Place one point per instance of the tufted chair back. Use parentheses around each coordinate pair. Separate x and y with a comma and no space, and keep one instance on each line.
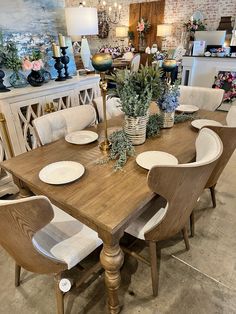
(56,125)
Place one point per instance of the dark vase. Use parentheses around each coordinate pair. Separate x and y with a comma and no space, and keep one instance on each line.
(36,78)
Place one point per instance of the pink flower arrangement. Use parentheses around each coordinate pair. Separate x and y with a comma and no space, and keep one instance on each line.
(35,65)
(143,27)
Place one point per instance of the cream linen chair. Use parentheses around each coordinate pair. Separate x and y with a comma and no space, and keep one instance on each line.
(7,185)
(128,56)
(227,135)
(43,239)
(112,108)
(180,186)
(202,97)
(135,62)
(56,125)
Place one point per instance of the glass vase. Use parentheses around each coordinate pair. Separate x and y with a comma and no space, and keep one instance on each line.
(17,80)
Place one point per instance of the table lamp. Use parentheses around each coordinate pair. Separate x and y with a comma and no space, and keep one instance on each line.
(164,30)
(82,21)
(101,63)
(122,33)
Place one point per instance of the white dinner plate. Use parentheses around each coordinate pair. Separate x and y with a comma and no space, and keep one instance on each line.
(61,172)
(200,123)
(187,108)
(81,137)
(149,159)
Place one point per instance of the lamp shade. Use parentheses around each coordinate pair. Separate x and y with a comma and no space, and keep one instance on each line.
(81,21)
(164,30)
(122,31)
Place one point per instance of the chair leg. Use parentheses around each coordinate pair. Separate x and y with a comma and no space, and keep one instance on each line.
(59,295)
(17,275)
(154,271)
(185,235)
(213,196)
(192,224)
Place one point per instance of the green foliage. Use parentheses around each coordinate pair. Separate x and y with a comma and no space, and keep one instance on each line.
(9,56)
(137,89)
(121,149)
(36,55)
(184,117)
(155,123)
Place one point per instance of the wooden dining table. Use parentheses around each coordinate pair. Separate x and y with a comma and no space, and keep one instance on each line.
(104,200)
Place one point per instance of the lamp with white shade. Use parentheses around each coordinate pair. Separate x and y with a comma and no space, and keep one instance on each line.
(82,21)
(164,30)
(122,33)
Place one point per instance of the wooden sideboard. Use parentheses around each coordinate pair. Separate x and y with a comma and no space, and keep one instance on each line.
(20,106)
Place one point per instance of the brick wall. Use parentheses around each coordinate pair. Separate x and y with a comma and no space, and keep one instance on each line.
(176,12)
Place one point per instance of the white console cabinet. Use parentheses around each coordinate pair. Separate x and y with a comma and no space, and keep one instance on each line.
(201,71)
(21,106)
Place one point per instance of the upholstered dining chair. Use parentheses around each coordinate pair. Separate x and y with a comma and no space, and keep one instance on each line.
(55,125)
(227,135)
(43,239)
(180,186)
(7,185)
(202,97)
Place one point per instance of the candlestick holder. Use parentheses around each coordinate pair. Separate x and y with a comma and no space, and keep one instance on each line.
(3,88)
(65,60)
(103,62)
(59,66)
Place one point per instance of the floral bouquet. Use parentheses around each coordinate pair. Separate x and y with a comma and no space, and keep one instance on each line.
(143,27)
(33,62)
(169,98)
(194,25)
(160,55)
(115,52)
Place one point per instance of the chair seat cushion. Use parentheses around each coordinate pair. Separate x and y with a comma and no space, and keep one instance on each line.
(154,213)
(66,239)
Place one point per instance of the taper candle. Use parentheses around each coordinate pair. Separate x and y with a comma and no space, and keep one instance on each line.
(56,50)
(62,41)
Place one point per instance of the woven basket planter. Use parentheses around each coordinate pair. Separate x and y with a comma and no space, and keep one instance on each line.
(135,128)
(168,119)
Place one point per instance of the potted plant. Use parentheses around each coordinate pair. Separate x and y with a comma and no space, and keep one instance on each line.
(168,102)
(136,90)
(11,60)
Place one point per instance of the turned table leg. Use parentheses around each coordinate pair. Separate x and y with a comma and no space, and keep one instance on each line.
(24,191)
(112,259)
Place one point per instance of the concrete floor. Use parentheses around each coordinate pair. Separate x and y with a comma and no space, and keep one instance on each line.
(201,281)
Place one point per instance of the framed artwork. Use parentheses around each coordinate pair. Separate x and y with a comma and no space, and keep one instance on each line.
(26,42)
(226,80)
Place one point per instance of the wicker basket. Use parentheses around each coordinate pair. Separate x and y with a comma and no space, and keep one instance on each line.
(135,128)
(168,119)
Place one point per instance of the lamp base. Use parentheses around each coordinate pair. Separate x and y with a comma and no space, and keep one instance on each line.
(105,146)
(86,54)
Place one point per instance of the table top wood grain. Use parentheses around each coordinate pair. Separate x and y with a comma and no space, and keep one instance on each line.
(103,199)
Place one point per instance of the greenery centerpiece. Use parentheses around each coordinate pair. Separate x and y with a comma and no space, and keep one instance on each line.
(136,90)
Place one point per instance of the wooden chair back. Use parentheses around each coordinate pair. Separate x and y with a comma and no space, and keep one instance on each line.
(19,221)
(181,185)
(228,138)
